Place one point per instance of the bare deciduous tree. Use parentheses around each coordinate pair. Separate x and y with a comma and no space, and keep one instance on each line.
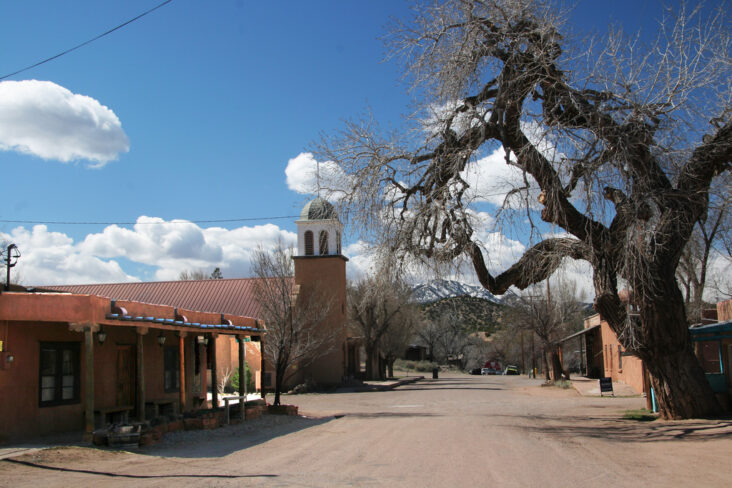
(291,318)
(548,315)
(375,305)
(709,234)
(395,340)
(192,275)
(620,141)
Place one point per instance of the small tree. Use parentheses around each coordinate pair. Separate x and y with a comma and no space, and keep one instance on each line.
(216,274)
(291,318)
(550,317)
(394,342)
(375,304)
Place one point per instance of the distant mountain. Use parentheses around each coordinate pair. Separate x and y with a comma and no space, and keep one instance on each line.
(438,289)
(472,313)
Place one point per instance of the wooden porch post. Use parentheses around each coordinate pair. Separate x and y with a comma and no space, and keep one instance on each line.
(262,367)
(88,382)
(242,369)
(182,372)
(214,375)
(140,375)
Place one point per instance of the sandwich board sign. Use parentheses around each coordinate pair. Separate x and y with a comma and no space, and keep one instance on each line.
(606,386)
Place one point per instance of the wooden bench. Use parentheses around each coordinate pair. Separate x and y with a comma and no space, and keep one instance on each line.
(119,414)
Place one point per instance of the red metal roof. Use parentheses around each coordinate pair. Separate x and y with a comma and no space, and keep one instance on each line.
(230,296)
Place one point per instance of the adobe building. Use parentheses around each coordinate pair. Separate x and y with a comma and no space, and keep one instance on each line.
(74,362)
(319,265)
(602,355)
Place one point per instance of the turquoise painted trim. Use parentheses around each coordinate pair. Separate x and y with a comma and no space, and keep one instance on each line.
(711,338)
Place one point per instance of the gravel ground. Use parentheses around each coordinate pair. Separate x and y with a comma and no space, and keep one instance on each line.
(458,430)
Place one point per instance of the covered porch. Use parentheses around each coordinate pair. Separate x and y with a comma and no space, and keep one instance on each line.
(80,362)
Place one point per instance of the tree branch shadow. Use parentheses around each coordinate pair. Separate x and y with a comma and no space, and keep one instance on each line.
(623,430)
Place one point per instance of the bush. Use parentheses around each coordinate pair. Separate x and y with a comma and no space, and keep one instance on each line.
(421,366)
(250,379)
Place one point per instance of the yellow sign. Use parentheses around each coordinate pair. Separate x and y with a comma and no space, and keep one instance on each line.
(1,346)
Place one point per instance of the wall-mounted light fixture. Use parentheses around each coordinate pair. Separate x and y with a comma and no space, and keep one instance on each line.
(161,339)
(101,336)
(9,358)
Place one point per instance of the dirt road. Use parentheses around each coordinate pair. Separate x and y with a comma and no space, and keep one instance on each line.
(466,431)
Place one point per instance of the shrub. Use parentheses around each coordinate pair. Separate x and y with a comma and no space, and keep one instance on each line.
(250,379)
(421,366)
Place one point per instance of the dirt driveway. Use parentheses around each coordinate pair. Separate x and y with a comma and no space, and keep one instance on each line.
(466,431)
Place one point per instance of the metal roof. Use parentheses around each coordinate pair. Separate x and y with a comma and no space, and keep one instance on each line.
(230,296)
(583,331)
(318,209)
(711,328)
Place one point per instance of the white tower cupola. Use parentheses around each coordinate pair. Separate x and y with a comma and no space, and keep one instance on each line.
(318,230)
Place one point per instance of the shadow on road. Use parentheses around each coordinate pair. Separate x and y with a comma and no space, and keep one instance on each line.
(622,430)
(134,476)
(381,415)
(229,439)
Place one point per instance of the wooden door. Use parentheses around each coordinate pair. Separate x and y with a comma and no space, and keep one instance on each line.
(125,375)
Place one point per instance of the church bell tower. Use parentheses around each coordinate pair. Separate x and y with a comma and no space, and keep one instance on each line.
(320,265)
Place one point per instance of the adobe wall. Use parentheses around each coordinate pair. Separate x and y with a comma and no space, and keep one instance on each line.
(724,311)
(327,274)
(621,368)
(227,357)
(20,411)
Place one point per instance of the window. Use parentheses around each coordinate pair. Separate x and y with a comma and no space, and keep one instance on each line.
(620,358)
(308,243)
(59,373)
(709,356)
(323,242)
(171,381)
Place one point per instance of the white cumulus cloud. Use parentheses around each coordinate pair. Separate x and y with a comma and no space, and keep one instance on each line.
(44,119)
(302,176)
(165,247)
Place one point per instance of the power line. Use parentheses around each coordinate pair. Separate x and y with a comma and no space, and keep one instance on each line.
(210,221)
(86,42)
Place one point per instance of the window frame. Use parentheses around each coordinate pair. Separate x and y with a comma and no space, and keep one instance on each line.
(323,243)
(309,244)
(60,347)
(171,363)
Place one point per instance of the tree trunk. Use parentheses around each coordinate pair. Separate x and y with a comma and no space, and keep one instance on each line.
(369,362)
(545,365)
(279,379)
(390,366)
(677,378)
(556,366)
(664,345)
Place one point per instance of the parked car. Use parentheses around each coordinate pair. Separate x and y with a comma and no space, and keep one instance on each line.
(475,371)
(490,371)
(511,370)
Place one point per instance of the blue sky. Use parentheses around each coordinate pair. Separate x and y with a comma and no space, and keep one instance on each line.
(199,107)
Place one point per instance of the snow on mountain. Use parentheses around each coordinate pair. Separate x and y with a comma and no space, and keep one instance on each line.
(438,289)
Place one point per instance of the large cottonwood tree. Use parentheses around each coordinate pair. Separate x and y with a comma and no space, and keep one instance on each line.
(621,142)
